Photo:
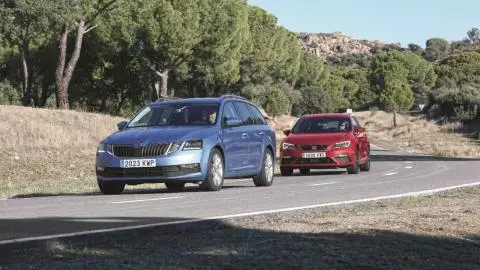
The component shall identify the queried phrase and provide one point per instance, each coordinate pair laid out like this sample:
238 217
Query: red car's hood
325 138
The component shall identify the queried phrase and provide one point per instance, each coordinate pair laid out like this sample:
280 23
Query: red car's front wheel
355 168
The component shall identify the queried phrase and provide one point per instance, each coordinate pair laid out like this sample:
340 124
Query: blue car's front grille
152 150
168 171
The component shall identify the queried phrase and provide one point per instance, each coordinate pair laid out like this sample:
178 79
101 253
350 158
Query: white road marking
375 147
408 167
389 174
87 220
147 200
322 184
395 196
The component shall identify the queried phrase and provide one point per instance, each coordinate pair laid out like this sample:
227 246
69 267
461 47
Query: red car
325 141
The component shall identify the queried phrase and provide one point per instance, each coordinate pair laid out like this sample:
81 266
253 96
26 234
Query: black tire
175 186
266 176
304 171
286 171
365 167
355 168
209 184
110 187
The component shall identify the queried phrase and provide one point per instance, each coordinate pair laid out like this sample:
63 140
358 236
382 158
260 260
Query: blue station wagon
179 141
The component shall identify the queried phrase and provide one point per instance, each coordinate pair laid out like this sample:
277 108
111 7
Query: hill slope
335 44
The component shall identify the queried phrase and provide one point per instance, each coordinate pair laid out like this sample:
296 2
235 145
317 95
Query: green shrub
9 95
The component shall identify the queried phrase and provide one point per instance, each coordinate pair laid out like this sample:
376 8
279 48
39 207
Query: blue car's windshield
176 115
322 125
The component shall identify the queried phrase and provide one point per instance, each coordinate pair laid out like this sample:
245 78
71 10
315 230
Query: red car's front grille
315 147
307 161
311 161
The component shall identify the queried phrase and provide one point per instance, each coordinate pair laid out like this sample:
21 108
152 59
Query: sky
404 21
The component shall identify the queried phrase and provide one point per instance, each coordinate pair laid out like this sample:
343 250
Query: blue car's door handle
261 133
244 135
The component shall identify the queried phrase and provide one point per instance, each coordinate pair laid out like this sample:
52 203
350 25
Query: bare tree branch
100 11
90 29
180 60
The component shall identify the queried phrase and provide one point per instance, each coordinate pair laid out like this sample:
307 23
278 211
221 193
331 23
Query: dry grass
43 150
435 232
415 134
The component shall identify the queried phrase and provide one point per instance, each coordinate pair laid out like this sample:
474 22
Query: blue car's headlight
102 147
174 147
193 145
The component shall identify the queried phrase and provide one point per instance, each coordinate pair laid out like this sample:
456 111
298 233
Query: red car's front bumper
334 158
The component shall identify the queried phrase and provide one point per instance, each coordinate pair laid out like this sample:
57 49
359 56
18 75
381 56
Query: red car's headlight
344 144
288 146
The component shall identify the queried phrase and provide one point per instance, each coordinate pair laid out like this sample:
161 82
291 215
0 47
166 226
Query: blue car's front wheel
110 187
216 171
175 186
265 178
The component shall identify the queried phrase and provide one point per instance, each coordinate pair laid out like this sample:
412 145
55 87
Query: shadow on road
220 245
322 172
189 189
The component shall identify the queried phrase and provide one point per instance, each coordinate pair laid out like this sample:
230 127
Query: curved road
392 175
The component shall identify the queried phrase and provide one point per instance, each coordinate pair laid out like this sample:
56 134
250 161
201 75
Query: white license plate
139 163
314 155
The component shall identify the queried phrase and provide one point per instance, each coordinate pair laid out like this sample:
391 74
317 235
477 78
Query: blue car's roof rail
166 99
232 96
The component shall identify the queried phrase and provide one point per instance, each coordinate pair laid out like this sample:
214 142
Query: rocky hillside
335 44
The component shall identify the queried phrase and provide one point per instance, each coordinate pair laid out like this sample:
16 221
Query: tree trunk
395 118
120 104
34 98
209 90
156 86
164 88
62 96
103 106
26 90
64 74
194 91
44 95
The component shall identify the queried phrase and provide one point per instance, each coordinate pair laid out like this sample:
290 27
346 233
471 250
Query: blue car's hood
149 135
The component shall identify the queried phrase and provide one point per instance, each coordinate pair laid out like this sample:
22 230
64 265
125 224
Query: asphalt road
391 174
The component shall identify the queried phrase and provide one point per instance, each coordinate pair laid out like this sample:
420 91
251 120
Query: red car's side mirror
287 132
360 130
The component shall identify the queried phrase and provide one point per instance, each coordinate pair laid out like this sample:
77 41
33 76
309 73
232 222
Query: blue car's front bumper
187 166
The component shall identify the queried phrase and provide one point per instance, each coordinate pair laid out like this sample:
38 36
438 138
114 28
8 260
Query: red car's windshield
322 125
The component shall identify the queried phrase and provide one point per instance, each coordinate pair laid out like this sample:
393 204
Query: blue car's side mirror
121 125
233 122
